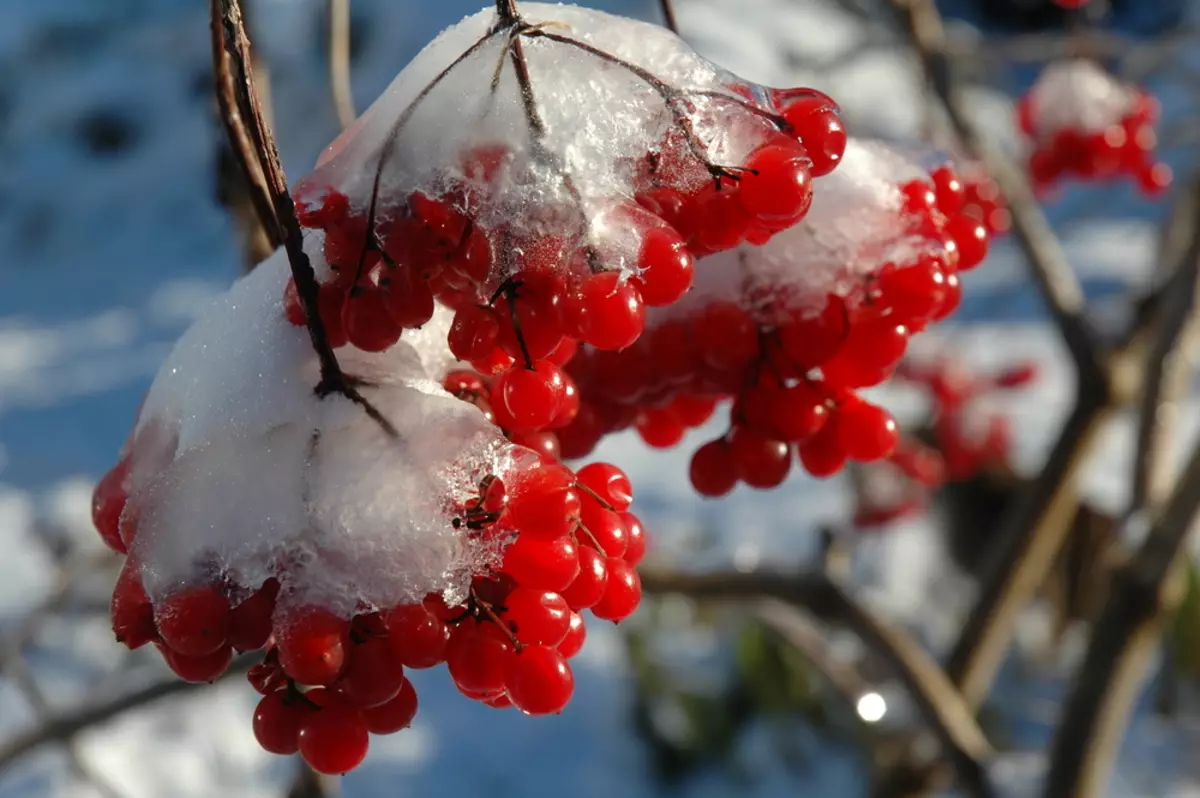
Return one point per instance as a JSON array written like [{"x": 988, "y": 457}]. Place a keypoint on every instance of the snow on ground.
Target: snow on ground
[{"x": 109, "y": 256}]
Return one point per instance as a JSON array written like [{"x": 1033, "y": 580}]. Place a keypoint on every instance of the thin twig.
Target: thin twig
[
  {"x": 668, "y": 13},
  {"x": 235, "y": 84},
  {"x": 65, "y": 727},
  {"x": 1122, "y": 646},
  {"x": 341, "y": 90},
  {"x": 939, "y": 703},
  {"x": 1130, "y": 627}
]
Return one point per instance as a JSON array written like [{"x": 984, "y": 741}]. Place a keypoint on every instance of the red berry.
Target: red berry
[
  {"x": 250, "y": 621},
  {"x": 372, "y": 676},
  {"x": 542, "y": 564},
  {"x": 544, "y": 443},
  {"x": 949, "y": 190},
  {"x": 539, "y": 681},
  {"x": 418, "y": 636},
  {"x": 817, "y": 125},
  {"x": 602, "y": 528},
  {"x": 622, "y": 593},
  {"x": 809, "y": 341},
  {"x": 660, "y": 428},
  {"x": 368, "y": 325},
  {"x": 477, "y": 655},
  {"x": 822, "y": 455},
  {"x": 536, "y": 617},
  {"x": 778, "y": 185},
  {"x": 542, "y": 503},
  {"x": 608, "y": 311},
  {"x": 865, "y": 431},
  {"x": 531, "y": 396},
  {"x": 312, "y": 645},
  {"x": 971, "y": 237},
  {"x": 108, "y": 501},
  {"x": 795, "y": 413},
  {"x": 277, "y": 721},
  {"x": 726, "y": 335},
  {"x": 333, "y": 739},
  {"x": 201, "y": 669},
  {"x": 667, "y": 267},
  {"x": 635, "y": 537},
  {"x": 473, "y": 333},
  {"x": 194, "y": 621},
  {"x": 761, "y": 462},
  {"x": 407, "y": 297},
  {"x": 588, "y": 586},
  {"x": 572, "y": 644},
  {"x": 693, "y": 410},
  {"x": 608, "y": 482},
  {"x": 132, "y": 613},
  {"x": 397, "y": 714},
  {"x": 712, "y": 469}
]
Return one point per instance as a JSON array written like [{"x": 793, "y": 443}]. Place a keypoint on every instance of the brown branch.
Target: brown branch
[
  {"x": 507, "y": 13},
  {"x": 668, "y": 13},
  {"x": 307, "y": 783},
  {"x": 66, "y": 727},
  {"x": 1146, "y": 587},
  {"x": 236, "y": 88},
  {"x": 341, "y": 90},
  {"x": 941, "y": 706},
  {"x": 1122, "y": 646}
]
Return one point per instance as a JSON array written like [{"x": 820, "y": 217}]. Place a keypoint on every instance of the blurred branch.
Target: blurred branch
[
  {"x": 308, "y": 783},
  {"x": 1147, "y": 586},
  {"x": 339, "y": 62},
  {"x": 668, "y": 13},
  {"x": 939, "y": 703},
  {"x": 65, "y": 727}
]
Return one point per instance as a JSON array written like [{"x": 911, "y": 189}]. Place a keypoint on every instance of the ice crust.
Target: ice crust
[
  {"x": 1078, "y": 95},
  {"x": 854, "y": 227},
  {"x": 239, "y": 471},
  {"x": 600, "y": 121}
]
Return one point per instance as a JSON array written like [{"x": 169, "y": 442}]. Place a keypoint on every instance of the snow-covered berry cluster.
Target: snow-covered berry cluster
[
  {"x": 550, "y": 227},
  {"x": 791, "y": 329},
  {"x": 1085, "y": 123}
]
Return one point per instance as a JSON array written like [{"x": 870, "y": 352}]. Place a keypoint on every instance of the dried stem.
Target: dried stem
[
  {"x": 66, "y": 727},
  {"x": 1146, "y": 587},
  {"x": 939, "y": 703},
  {"x": 341, "y": 90},
  {"x": 507, "y": 13},
  {"x": 236, "y": 89},
  {"x": 668, "y": 13}
]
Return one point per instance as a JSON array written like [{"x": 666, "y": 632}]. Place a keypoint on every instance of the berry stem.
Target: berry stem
[
  {"x": 506, "y": 11},
  {"x": 242, "y": 111}
]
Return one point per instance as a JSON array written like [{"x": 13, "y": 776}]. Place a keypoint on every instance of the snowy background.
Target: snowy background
[{"x": 113, "y": 241}]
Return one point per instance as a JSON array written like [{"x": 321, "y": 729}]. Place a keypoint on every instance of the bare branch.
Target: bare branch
[
  {"x": 66, "y": 727},
  {"x": 1044, "y": 255},
  {"x": 940, "y": 704},
  {"x": 235, "y": 86},
  {"x": 507, "y": 13},
  {"x": 340, "y": 87},
  {"x": 1122, "y": 646},
  {"x": 668, "y": 13},
  {"x": 1129, "y": 628}
]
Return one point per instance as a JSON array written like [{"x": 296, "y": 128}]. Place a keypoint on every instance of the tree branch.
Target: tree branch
[
  {"x": 668, "y": 13},
  {"x": 939, "y": 703},
  {"x": 1123, "y": 643},
  {"x": 66, "y": 727},
  {"x": 1146, "y": 587},
  {"x": 341, "y": 90},
  {"x": 235, "y": 87}
]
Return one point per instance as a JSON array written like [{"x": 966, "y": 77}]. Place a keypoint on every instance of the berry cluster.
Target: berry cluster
[
  {"x": 791, "y": 360},
  {"x": 569, "y": 544},
  {"x": 1084, "y": 123}
]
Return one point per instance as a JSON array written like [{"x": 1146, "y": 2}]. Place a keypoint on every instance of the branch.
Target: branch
[
  {"x": 668, "y": 13},
  {"x": 307, "y": 783},
  {"x": 507, "y": 13},
  {"x": 235, "y": 87},
  {"x": 1164, "y": 379},
  {"x": 1122, "y": 646},
  {"x": 939, "y": 703},
  {"x": 66, "y": 727},
  {"x": 1047, "y": 261},
  {"x": 1130, "y": 627},
  {"x": 341, "y": 90}
]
